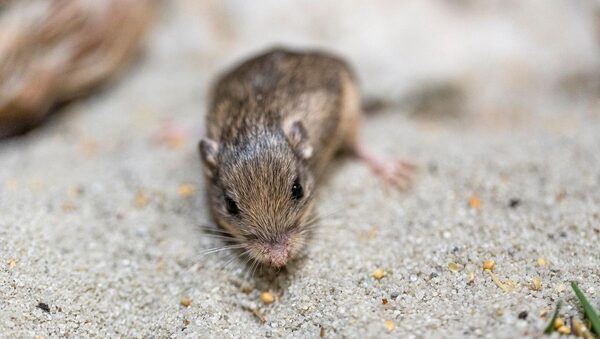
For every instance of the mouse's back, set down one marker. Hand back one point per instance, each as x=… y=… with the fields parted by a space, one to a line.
x=279 y=87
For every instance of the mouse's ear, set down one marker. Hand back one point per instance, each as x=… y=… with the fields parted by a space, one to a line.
x=208 y=150
x=298 y=138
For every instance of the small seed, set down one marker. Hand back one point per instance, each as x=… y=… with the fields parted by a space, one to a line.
x=558 y=322
x=378 y=274
x=580 y=330
x=11 y=264
x=141 y=200
x=536 y=284
x=489 y=265
x=564 y=330
x=474 y=202
x=185 y=190
x=389 y=325
x=541 y=262
x=384 y=301
x=267 y=297
x=185 y=302
x=453 y=267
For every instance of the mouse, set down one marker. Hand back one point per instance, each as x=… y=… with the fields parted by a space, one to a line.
x=274 y=123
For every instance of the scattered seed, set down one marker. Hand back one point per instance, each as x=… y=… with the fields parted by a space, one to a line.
x=499 y=312
x=12 y=184
x=453 y=267
x=141 y=200
x=389 y=325
x=378 y=274
x=514 y=202
x=44 y=307
x=74 y=192
x=322 y=332
x=267 y=297
x=541 y=262
x=68 y=207
x=186 y=322
x=394 y=295
x=185 y=302
x=523 y=315
x=11 y=263
x=548 y=329
x=474 y=202
x=580 y=330
x=544 y=312
x=171 y=135
x=558 y=322
x=185 y=190
x=369 y=234
x=564 y=330
x=384 y=301
x=488 y=265
x=536 y=284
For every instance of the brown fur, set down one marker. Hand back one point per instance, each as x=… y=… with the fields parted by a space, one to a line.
x=276 y=117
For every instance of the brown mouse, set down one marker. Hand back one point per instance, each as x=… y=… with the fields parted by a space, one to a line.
x=274 y=123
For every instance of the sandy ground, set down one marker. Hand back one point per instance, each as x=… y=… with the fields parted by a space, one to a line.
x=95 y=224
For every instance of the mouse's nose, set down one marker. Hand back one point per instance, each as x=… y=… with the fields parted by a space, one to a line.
x=278 y=253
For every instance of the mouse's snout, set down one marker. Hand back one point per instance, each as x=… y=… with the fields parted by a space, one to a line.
x=278 y=252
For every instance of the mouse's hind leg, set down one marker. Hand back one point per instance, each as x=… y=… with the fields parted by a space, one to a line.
x=395 y=173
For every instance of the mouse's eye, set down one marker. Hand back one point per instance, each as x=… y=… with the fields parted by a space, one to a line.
x=297 y=191
x=232 y=207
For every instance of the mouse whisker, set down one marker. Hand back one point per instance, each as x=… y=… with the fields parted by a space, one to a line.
x=222 y=248
x=221 y=237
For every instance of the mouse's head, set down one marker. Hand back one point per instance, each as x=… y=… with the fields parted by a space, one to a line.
x=261 y=191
